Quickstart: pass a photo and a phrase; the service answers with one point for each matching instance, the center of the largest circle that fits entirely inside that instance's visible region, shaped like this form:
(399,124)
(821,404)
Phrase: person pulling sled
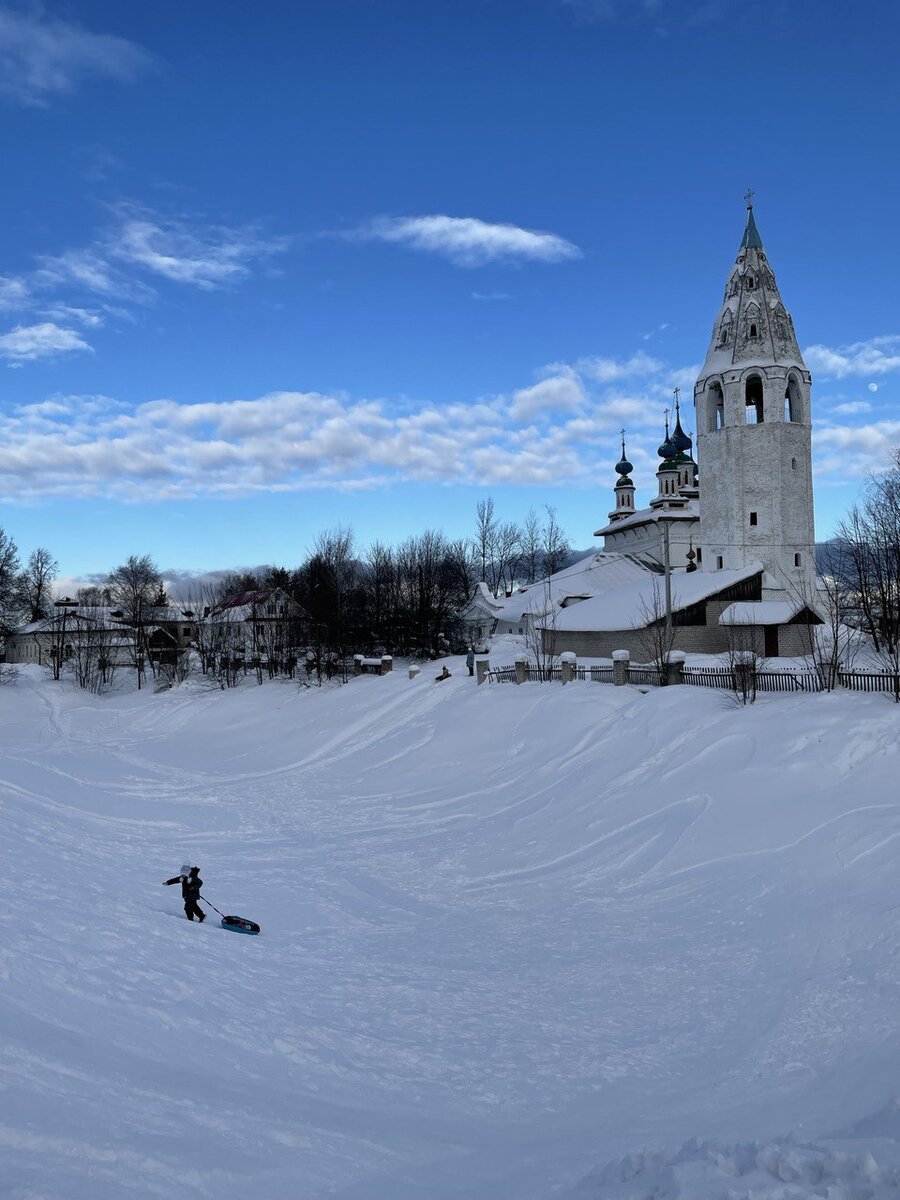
(191,883)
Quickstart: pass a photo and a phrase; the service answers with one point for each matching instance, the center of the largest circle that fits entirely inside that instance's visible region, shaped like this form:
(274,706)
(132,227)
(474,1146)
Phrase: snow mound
(780,1170)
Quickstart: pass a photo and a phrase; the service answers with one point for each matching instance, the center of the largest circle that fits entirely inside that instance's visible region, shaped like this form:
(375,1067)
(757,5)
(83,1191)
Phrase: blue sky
(270,270)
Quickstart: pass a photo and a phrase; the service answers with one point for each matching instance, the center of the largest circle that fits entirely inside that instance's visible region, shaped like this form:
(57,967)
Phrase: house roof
(630,606)
(762,612)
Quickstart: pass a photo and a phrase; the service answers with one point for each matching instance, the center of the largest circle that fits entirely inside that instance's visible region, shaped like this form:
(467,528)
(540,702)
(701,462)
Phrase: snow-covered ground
(518,942)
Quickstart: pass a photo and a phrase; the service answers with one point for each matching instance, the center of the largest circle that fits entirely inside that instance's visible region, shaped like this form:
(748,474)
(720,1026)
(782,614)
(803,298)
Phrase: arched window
(712,414)
(793,400)
(753,400)
(753,332)
(751,283)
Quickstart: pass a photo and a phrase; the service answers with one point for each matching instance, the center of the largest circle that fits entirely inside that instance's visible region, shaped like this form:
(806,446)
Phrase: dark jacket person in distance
(191,883)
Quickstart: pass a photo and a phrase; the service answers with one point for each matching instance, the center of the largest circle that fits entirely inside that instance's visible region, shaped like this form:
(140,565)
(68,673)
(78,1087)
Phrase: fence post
(481,669)
(621,659)
(387,663)
(413,670)
(568,661)
(521,668)
(674,666)
(357,664)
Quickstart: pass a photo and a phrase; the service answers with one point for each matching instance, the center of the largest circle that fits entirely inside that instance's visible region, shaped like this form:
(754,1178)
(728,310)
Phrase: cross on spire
(677,392)
(748,196)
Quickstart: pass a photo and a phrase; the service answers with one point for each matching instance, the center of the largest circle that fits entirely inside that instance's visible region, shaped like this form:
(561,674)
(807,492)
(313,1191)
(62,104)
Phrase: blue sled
(239,925)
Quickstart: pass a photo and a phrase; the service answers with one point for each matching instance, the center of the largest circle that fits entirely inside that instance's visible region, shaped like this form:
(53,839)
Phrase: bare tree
(93,654)
(531,545)
(743,660)
(541,630)
(135,587)
(36,584)
(485,526)
(870,551)
(656,636)
(9,573)
(506,554)
(556,548)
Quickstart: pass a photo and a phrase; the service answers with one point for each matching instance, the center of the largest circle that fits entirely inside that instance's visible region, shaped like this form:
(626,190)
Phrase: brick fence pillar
(481,669)
(521,668)
(569,662)
(621,659)
(387,663)
(674,666)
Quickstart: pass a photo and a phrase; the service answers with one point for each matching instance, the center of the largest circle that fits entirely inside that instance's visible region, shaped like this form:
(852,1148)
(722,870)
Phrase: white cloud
(607,370)
(877,356)
(45,340)
(89,317)
(558,393)
(207,257)
(873,387)
(42,57)
(13,292)
(468,241)
(491,296)
(851,407)
(561,428)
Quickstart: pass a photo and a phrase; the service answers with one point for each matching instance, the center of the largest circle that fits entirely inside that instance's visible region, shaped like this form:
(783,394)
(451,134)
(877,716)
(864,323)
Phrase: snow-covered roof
(761,612)
(649,516)
(628,606)
(589,577)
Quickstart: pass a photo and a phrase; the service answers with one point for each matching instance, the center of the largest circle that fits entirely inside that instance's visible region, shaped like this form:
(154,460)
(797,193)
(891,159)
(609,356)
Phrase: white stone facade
(754,432)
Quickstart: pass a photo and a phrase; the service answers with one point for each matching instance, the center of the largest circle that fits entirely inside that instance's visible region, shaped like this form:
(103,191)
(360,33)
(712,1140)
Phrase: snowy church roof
(690,511)
(627,607)
(589,577)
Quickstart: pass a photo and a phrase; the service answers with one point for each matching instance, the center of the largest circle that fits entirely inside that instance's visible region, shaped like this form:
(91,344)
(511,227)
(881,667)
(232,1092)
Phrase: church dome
(623,466)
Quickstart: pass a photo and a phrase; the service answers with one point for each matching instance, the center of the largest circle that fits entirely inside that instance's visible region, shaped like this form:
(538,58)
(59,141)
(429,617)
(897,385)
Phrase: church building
(732,532)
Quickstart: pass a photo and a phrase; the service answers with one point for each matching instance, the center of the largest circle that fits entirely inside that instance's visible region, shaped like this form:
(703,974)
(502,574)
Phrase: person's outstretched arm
(177,879)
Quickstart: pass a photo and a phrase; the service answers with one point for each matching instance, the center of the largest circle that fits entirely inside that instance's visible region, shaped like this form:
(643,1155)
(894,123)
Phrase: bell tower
(754,431)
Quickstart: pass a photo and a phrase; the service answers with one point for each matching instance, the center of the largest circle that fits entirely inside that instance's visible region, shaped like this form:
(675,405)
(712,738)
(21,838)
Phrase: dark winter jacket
(190,885)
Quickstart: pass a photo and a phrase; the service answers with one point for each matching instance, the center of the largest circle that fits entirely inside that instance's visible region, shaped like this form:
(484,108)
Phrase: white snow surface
(517,943)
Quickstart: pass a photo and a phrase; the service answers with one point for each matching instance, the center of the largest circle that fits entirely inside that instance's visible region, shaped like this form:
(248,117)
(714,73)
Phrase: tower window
(753,397)
(699,556)
(751,283)
(793,464)
(753,331)
(753,520)
(720,562)
(796,560)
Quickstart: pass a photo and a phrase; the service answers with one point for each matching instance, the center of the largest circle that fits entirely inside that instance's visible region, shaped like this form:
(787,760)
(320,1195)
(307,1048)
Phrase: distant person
(470,660)
(445,674)
(191,883)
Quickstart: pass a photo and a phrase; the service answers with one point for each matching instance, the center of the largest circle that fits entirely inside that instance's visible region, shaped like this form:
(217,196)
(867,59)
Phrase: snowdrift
(509,934)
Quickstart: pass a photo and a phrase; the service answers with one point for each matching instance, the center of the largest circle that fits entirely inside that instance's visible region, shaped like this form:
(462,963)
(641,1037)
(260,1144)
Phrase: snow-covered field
(518,942)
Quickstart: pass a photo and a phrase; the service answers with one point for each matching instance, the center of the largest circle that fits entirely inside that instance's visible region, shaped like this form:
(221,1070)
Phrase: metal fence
(723,678)
(871,681)
(645,676)
(595,674)
(501,675)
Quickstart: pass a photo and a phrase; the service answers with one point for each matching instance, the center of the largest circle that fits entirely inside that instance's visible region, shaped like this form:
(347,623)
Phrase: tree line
(398,599)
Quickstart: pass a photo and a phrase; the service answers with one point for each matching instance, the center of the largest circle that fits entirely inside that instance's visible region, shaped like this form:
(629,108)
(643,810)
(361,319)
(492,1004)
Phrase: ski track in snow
(509,933)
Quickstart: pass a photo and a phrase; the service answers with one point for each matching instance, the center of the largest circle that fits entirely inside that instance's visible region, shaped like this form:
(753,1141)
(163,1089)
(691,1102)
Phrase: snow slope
(510,935)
